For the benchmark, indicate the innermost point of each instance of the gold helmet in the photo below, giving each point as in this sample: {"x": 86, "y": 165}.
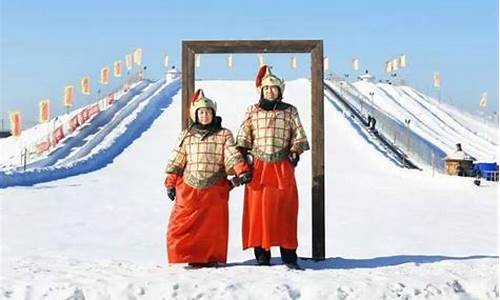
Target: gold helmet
{"x": 198, "y": 100}
{"x": 266, "y": 78}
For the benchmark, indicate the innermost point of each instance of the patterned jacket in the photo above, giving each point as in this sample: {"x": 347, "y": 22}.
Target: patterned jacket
{"x": 271, "y": 135}
{"x": 202, "y": 158}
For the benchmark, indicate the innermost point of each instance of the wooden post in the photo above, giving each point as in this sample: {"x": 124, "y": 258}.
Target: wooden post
{"x": 318, "y": 166}
{"x": 187, "y": 81}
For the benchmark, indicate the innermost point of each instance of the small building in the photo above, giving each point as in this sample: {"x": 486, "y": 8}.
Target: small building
{"x": 172, "y": 75}
{"x": 367, "y": 77}
{"x": 459, "y": 163}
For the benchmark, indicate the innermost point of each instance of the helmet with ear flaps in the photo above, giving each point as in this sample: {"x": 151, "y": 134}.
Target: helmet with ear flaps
{"x": 198, "y": 100}
{"x": 266, "y": 78}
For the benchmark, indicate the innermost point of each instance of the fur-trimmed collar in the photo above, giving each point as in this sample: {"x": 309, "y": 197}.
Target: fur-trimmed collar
{"x": 273, "y": 105}
{"x": 207, "y": 130}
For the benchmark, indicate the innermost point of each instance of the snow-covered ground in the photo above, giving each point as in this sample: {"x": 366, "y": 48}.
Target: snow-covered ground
{"x": 391, "y": 233}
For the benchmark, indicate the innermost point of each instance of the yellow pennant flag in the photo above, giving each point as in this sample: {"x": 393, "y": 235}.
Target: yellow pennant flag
{"x": 229, "y": 62}
{"x": 138, "y": 56}
{"x": 85, "y": 84}
{"x": 117, "y": 67}
{"x": 15, "y": 123}
{"x": 436, "y": 78}
{"x": 261, "y": 60}
{"x": 165, "y": 61}
{"x": 394, "y": 64}
{"x": 483, "y": 100}
{"x": 355, "y": 64}
{"x": 293, "y": 62}
{"x": 388, "y": 66}
{"x": 69, "y": 94}
{"x": 105, "y": 75}
{"x": 44, "y": 111}
{"x": 402, "y": 61}
{"x": 197, "y": 60}
{"x": 128, "y": 61}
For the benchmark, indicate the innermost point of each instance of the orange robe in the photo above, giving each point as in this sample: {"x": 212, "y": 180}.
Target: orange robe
{"x": 198, "y": 227}
{"x": 271, "y": 206}
{"x": 271, "y": 198}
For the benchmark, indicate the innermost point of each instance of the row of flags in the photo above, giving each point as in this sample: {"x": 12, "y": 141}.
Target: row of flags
{"x": 135, "y": 57}
{"x": 69, "y": 91}
{"x": 391, "y": 66}
{"x": 394, "y": 64}
{"x": 260, "y": 61}
{"x": 130, "y": 59}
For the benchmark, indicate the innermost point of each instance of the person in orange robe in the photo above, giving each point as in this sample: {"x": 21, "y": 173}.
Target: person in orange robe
{"x": 197, "y": 173}
{"x": 271, "y": 137}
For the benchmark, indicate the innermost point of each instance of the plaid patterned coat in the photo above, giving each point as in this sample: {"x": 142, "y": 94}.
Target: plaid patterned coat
{"x": 203, "y": 158}
{"x": 272, "y": 134}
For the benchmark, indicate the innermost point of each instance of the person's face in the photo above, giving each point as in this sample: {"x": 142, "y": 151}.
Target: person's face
{"x": 271, "y": 92}
{"x": 204, "y": 115}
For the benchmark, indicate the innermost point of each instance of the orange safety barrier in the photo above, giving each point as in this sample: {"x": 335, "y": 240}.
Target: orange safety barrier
{"x": 110, "y": 98}
{"x": 93, "y": 110}
{"x": 42, "y": 147}
{"x": 58, "y": 134}
{"x": 83, "y": 116}
{"x": 73, "y": 123}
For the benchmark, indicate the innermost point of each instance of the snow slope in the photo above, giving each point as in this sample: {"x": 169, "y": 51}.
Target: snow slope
{"x": 13, "y": 146}
{"x": 432, "y": 121}
{"x": 391, "y": 233}
{"x": 99, "y": 143}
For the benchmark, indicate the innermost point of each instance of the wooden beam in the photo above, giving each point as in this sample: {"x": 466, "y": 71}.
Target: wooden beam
{"x": 188, "y": 78}
{"x": 318, "y": 156}
{"x": 249, "y": 46}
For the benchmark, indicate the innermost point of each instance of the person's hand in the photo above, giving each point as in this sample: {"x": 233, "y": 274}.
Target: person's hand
{"x": 294, "y": 158}
{"x": 245, "y": 177}
{"x": 171, "y": 193}
{"x": 234, "y": 182}
{"x": 249, "y": 158}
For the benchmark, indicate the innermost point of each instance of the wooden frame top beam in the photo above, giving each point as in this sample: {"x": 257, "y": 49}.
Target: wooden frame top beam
{"x": 253, "y": 46}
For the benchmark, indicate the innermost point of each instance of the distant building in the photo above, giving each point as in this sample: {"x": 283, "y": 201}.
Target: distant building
{"x": 459, "y": 163}
{"x": 367, "y": 77}
{"x": 172, "y": 75}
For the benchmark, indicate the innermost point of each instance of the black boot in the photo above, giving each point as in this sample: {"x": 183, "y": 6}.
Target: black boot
{"x": 289, "y": 258}
{"x": 262, "y": 256}
{"x": 202, "y": 265}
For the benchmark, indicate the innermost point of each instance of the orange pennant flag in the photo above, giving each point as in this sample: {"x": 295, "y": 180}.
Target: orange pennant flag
{"x": 105, "y": 75}
{"x": 15, "y": 123}
{"x": 118, "y": 68}
{"x": 85, "y": 83}
{"x": 44, "y": 113}
{"x": 69, "y": 95}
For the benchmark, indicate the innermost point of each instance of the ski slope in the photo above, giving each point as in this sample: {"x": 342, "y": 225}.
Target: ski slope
{"x": 12, "y": 146}
{"x": 98, "y": 142}
{"x": 432, "y": 122}
{"x": 390, "y": 232}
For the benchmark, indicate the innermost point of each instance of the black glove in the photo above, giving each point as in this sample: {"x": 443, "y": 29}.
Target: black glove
{"x": 234, "y": 182}
{"x": 249, "y": 158}
{"x": 245, "y": 177}
{"x": 171, "y": 193}
{"x": 293, "y": 158}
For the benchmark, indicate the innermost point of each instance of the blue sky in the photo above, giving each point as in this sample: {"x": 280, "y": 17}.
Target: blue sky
{"x": 46, "y": 45}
